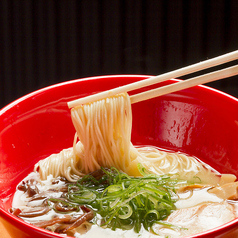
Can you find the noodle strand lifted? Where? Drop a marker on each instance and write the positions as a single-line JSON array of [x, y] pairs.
[[104, 132]]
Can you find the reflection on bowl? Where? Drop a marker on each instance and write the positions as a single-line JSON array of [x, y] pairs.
[[199, 121]]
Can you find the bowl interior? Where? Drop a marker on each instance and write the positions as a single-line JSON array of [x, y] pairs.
[[199, 121]]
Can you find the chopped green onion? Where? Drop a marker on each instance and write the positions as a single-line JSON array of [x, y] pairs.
[[127, 202], [128, 213]]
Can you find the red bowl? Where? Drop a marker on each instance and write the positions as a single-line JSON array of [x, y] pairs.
[[199, 121]]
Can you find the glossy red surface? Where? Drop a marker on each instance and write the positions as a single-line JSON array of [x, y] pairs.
[[199, 121]]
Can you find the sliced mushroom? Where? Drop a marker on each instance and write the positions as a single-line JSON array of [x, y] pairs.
[[34, 212], [85, 217]]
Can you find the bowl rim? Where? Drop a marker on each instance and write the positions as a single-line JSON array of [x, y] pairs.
[[113, 76]]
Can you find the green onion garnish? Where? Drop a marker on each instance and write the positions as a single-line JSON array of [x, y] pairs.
[[126, 202]]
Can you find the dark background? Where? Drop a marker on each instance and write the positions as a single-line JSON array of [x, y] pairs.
[[45, 42]]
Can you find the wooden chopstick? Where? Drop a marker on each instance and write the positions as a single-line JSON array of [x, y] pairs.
[[160, 78], [202, 79]]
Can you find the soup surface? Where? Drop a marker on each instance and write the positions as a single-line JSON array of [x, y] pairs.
[[184, 207]]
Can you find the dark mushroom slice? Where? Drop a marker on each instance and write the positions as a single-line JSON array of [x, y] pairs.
[[34, 212], [80, 220], [29, 187], [64, 219]]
